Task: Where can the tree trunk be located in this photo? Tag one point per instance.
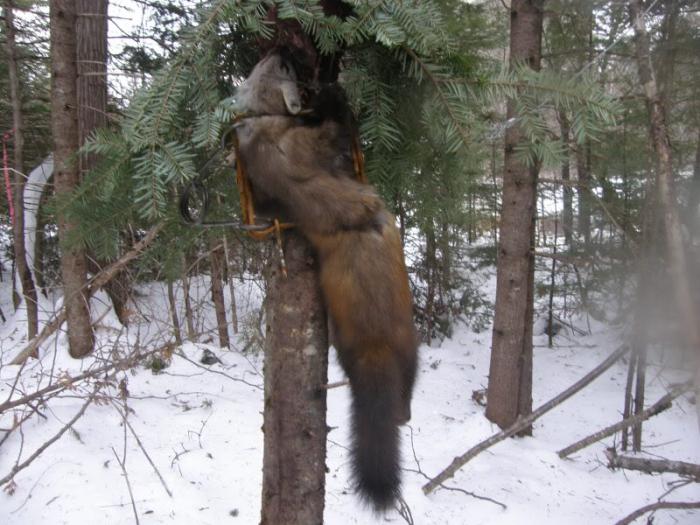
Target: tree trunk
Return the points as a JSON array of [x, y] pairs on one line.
[[296, 361], [568, 208], [430, 271], [667, 62], [494, 210], [640, 349], [91, 53], [231, 288], [217, 291], [64, 122], [510, 373], [296, 344], [189, 317], [694, 200], [25, 275], [173, 314], [584, 189], [678, 271], [91, 31]]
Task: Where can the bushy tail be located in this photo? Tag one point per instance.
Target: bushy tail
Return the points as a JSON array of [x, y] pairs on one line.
[[376, 401]]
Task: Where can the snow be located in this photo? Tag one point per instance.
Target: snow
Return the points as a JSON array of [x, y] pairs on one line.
[[201, 428], [33, 191]]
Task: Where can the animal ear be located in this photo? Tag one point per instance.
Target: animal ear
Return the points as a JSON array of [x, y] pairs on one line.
[[291, 96]]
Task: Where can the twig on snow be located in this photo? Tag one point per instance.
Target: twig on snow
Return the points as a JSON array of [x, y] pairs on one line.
[[143, 449], [20, 466], [524, 421], [454, 489], [66, 381], [128, 484]]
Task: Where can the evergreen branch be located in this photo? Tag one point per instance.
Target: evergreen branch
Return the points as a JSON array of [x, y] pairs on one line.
[[441, 95], [602, 106]]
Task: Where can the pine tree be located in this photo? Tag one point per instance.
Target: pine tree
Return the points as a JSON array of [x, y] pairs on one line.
[[64, 118]]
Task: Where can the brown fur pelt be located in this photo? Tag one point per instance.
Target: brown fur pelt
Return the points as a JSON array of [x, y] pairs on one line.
[[302, 168]]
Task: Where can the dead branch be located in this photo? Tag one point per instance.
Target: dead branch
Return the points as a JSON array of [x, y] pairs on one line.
[[662, 404], [143, 449], [337, 384], [523, 422], [419, 470], [97, 282], [649, 466], [66, 382], [47, 444], [658, 506]]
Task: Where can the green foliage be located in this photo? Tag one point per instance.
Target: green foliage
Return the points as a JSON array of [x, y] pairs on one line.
[[395, 48], [537, 95], [419, 76]]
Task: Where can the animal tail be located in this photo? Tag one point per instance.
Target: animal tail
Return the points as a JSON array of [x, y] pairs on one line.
[[376, 387]]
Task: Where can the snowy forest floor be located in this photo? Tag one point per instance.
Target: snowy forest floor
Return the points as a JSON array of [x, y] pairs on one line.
[[201, 428]]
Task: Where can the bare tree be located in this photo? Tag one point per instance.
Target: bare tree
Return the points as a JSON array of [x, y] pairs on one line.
[[510, 373], [64, 123]]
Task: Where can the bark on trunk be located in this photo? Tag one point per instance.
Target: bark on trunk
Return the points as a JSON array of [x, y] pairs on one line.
[[296, 361], [217, 292], [91, 31], [64, 122], [510, 373], [296, 345], [678, 270], [25, 275], [91, 41]]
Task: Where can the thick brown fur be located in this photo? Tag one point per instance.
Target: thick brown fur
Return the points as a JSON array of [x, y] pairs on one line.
[[304, 167]]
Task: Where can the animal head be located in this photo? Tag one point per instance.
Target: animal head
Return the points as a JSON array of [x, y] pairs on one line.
[[270, 89]]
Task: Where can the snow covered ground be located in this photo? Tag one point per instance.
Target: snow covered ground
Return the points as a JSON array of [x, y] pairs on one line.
[[200, 427]]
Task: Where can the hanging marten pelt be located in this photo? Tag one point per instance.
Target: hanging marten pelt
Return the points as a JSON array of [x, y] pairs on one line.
[[302, 166]]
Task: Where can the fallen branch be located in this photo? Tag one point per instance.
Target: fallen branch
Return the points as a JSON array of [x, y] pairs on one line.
[[42, 448], [523, 421], [658, 506], [66, 382], [97, 282], [455, 489], [128, 484], [681, 468], [337, 384], [658, 407], [143, 449]]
